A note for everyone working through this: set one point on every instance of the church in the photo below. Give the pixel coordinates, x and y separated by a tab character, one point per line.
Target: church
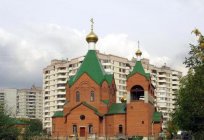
91	111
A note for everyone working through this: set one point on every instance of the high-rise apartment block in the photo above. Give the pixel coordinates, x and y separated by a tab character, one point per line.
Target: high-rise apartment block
22	103
30	103
8	101
55	76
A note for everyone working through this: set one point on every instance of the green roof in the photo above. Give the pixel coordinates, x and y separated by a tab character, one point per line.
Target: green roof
93	68
92	108
117	108
58	114
105	101
20	122
138	68
16	121
157	116
109	78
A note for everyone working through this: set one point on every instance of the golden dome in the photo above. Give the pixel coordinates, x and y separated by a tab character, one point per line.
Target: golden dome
91	37
123	99
138	52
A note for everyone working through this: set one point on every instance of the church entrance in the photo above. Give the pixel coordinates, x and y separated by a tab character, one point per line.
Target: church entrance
82	131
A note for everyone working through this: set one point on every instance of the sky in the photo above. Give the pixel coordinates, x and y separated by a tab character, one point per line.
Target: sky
33	32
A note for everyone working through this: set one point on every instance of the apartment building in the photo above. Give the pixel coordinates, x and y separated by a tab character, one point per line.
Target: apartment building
8	101
55	76
166	82
30	103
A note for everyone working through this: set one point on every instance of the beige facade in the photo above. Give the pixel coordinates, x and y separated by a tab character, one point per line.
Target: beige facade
55	76
8	101
30	103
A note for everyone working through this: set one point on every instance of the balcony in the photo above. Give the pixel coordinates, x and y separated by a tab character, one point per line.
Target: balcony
63	87
161	86
175	78
162	81
106	64
175	87
162	76
62	71
163	105
60	103
109	70
61	98
61	81
175	82
62	76
174	73
61	93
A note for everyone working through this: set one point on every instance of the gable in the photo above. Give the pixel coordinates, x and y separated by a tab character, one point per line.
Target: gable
92	67
137	79
138	68
88	106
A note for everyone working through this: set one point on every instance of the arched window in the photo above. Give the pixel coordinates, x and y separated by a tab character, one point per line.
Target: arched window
90	128
74	129
77	96
120	129
92	96
137	93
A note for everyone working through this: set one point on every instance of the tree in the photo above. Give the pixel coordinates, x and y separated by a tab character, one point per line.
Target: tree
8	131
196	53
34	128
189	113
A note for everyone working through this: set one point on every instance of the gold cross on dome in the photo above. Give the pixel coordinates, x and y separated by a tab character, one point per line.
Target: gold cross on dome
138	44
92	22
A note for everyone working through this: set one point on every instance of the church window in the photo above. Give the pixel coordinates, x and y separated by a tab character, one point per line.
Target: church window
90	128
82	117
77	96
120	129
74	129
137	93
92	96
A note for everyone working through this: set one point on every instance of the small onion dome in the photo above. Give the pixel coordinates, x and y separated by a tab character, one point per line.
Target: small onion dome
123	100
138	52
91	37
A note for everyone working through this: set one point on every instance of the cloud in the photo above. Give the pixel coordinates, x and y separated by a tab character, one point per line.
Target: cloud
26	51
120	44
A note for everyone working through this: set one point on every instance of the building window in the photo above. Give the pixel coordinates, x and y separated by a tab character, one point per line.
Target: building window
90	128
82	117
120	129
92	96
77	96
74	129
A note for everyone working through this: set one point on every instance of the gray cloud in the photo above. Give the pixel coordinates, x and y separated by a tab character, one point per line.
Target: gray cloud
24	54
26	51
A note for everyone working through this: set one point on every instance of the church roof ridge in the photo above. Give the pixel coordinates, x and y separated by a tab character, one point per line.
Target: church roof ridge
93	68
138	68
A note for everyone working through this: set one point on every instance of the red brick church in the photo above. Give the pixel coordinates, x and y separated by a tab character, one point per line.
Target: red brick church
91	110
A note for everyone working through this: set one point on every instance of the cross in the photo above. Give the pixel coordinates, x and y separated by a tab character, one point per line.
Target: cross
92	22
138	44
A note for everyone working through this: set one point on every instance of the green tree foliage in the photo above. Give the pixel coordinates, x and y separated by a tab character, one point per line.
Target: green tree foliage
34	128
196	54
8	131
189	114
